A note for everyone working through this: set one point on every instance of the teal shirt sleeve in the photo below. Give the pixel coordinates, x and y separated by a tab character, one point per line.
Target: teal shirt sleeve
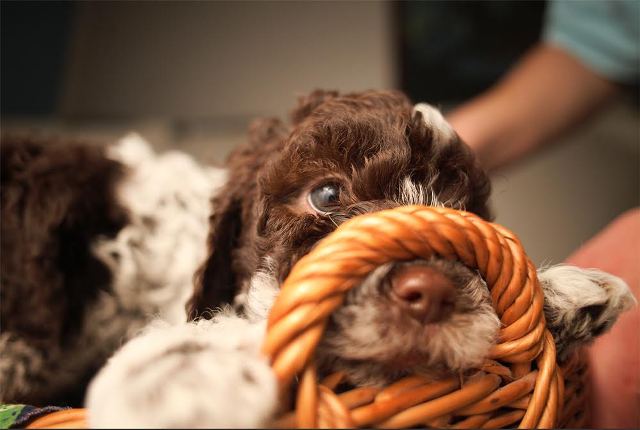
603	35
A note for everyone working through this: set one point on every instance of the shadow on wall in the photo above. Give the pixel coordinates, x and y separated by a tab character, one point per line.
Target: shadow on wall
223	59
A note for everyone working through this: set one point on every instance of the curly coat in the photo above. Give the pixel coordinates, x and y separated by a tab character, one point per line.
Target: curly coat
56	197
383	152
371	142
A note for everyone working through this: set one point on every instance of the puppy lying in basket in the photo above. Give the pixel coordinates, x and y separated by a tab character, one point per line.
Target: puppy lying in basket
290	186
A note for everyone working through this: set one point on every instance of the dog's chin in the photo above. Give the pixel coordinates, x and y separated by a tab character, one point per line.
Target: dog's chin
401	348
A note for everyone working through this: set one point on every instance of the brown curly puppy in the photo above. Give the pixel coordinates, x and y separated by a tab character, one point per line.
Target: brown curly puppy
344	155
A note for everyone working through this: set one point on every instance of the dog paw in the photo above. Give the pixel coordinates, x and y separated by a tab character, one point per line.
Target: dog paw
186	376
581	304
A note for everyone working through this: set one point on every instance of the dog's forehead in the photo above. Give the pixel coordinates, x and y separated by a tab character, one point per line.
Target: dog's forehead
352	126
342	144
357	131
373	118
370	140
363	110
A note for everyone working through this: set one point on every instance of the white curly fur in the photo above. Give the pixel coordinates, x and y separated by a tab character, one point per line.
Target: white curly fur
581	304
411	193
203	374
263	290
152	261
154	257
442	130
175	374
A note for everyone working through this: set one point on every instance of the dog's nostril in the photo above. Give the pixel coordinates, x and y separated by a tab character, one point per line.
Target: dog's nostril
413	296
423	292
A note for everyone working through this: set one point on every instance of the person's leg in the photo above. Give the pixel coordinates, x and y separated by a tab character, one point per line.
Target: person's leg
615	356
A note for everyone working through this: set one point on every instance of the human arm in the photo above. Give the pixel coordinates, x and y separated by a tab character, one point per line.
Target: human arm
545	94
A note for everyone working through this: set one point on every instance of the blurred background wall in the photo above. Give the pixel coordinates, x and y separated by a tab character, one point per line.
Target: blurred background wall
219	59
190	75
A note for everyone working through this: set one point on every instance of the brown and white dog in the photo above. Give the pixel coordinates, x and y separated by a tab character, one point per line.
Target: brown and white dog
96	242
288	187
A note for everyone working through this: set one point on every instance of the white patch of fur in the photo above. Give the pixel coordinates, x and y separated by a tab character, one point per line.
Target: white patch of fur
464	341
184	376
411	193
262	293
441	129
153	258
569	290
152	262
131	150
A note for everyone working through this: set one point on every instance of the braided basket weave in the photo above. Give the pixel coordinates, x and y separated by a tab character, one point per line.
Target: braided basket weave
520	384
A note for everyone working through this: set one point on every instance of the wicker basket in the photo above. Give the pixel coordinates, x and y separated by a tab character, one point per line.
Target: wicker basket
520	384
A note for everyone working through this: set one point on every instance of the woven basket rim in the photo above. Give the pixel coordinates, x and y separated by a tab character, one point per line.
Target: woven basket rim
317	283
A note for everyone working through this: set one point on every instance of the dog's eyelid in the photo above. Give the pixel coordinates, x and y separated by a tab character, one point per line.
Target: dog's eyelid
325	181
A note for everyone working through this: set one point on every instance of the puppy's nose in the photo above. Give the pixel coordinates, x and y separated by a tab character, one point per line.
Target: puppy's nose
424	292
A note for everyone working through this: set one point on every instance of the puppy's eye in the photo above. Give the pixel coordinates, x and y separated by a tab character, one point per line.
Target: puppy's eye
324	198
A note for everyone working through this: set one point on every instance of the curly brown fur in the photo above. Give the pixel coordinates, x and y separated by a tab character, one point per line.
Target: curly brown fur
380	150
233	209
369	142
56	197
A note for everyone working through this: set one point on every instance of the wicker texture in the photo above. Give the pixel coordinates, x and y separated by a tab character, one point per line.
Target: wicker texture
520	383
65	419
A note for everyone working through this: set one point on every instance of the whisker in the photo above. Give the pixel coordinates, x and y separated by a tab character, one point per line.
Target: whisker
329	214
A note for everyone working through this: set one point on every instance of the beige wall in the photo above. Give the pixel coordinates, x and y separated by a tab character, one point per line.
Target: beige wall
225	59
559	198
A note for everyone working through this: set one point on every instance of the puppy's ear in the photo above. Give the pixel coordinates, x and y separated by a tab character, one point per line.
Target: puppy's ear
232	225
215	280
441	131
308	103
451	168
581	304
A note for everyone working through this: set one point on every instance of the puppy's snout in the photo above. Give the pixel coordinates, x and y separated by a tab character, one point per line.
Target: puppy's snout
424	292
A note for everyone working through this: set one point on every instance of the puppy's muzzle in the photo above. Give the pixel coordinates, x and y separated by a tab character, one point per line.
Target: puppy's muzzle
423	292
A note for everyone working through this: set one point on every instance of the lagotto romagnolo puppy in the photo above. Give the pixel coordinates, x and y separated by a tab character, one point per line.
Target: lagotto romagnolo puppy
95	243
289	186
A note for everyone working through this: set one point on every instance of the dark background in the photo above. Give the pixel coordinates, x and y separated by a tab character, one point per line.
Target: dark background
35	37
469	43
